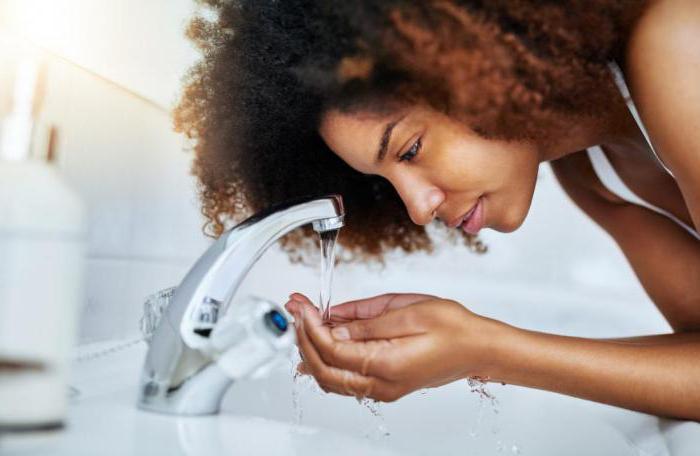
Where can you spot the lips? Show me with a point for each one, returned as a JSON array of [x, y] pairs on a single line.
[[474, 221], [459, 221]]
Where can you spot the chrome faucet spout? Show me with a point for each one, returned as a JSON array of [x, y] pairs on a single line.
[[180, 375]]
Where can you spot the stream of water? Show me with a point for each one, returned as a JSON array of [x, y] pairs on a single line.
[[328, 241]]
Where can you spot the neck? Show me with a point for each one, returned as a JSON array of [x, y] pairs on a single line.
[[615, 128]]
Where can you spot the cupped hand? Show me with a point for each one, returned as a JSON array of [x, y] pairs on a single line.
[[387, 346]]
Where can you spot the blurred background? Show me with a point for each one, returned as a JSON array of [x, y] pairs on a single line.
[[113, 74]]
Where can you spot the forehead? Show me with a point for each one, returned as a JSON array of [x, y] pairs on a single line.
[[354, 136], [342, 128]]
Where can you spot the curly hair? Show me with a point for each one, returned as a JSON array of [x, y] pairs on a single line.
[[509, 69]]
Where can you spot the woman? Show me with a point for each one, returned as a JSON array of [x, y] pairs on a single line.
[[440, 112]]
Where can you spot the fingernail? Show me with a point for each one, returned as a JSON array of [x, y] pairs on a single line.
[[296, 297], [291, 306], [340, 333]]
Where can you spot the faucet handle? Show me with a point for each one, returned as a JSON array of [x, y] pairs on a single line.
[[153, 308], [250, 341]]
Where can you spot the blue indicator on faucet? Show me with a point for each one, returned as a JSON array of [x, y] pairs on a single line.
[[276, 321]]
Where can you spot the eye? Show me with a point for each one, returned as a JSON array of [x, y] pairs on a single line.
[[411, 153]]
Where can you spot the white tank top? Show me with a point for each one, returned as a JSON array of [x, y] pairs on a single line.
[[607, 174]]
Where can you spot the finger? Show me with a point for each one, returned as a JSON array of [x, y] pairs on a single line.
[[345, 388], [330, 379], [355, 356], [381, 391], [374, 358], [303, 370], [335, 379], [372, 307], [300, 297], [295, 299], [393, 324]]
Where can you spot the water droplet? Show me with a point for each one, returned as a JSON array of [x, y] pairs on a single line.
[[478, 385], [296, 389], [474, 431], [515, 449], [379, 430]]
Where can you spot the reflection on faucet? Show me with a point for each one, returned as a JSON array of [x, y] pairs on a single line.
[[180, 374]]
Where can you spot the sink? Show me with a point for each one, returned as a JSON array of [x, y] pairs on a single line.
[[104, 420], [258, 416], [450, 420]]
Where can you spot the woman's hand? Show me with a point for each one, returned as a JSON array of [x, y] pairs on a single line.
[[390, 345]]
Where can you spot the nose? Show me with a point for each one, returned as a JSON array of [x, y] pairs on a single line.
[[421, 199]]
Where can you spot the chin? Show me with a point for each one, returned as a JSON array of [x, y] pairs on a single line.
[[511, 221]]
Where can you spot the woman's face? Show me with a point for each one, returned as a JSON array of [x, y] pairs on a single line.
[[438, 166]]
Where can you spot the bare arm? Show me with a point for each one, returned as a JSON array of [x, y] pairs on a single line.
[[659, 378], [663, 70], [658, 339], [665, 258], [658, 374]]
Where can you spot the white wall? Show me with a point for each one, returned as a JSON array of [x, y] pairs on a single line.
[[137, 43], [117, 148]]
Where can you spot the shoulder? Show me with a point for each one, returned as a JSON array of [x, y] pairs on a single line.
[[662, 67], [662, 58], [671, 27]]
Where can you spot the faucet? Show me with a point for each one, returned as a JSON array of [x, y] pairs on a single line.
[[181, 374]]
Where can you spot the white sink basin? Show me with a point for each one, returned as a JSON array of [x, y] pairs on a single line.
[[104, 420], [258, 416], [446, 421]]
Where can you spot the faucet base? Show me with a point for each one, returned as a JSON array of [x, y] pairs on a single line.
[[199, 394]]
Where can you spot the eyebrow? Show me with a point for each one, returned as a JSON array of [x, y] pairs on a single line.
[[386, 137]]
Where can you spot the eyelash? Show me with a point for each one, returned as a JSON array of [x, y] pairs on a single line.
[[411, 153]]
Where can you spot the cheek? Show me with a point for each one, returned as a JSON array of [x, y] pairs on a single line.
[[457, 167], [516, 197]]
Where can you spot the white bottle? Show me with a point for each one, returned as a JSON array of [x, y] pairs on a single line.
[[42, 240]]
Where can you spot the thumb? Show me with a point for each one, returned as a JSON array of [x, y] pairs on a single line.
[[396, 323], [375, 306]]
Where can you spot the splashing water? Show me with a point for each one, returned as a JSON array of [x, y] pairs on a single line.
[[478, 385], [298, 411], [379, 430], [296, 391], [328, 241], [474, 431]]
